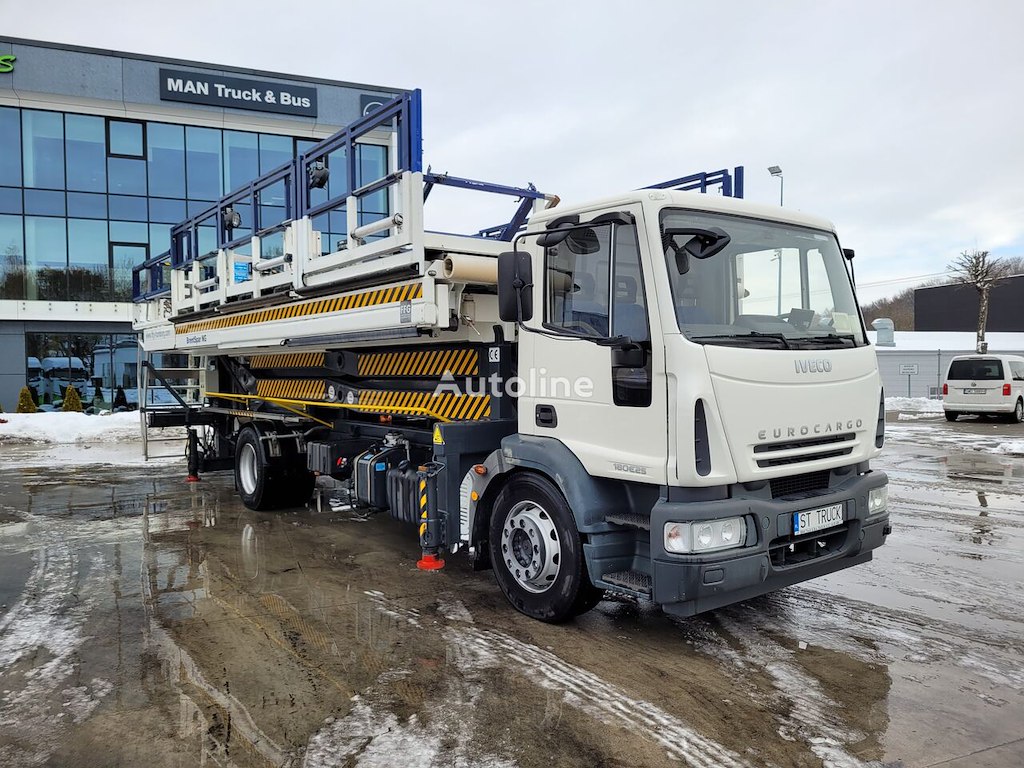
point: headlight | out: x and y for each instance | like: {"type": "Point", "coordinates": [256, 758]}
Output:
{"type": "Point", "coordinates": [705, 536]}
{"type": "Point", "coordinates": [878, 500]}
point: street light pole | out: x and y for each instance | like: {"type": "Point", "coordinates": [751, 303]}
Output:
{"type": "Point", "coordinates": [775, 170]}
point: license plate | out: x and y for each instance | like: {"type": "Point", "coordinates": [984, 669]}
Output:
{"type": "Point", "coordinates": [817, 519]}
{"type": "Point", "coordinates": [974, 391]}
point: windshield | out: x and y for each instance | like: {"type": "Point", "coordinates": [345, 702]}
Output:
{"type": "Point", "coordinates": [747, 282]}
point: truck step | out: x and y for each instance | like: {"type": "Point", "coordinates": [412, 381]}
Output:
{"type": "Point", "coordinates": [630, 519]}
{"type": "Point", "coordinates": [633, 581]}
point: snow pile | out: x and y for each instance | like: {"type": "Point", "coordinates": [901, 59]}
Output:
{"type": "Point", "coordinates": [913, 404]}
{"type": "Point", "coordinates": [60, 427]}
{"type": "Point", "coordinates": [918, 416]}
{"type": "Point", "coordinates": [1011, 448]}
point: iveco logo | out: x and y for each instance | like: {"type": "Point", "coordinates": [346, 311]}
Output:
{"type": "Point", "coordinates": [812, 366]}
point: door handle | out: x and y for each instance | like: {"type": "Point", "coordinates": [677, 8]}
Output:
{"type": "Point", "coordinates": [545, 416]}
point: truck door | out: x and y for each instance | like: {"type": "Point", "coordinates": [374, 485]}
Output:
{"type": "Point", "coordinates": [605, 401]}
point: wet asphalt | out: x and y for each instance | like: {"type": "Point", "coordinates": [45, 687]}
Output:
{"type": "Point", "coordinates": [149, 622]}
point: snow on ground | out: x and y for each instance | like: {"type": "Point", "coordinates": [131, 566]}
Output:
{"type": "Point", "coordinates": [913, 404]}
{"type": "Point", "coordinates": [60, 427]}
{"type": "Point", "coordinates": [1011, 448]}
{"type": "Point", "coordinates": [74, 439]}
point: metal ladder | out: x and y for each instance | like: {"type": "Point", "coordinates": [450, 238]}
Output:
{"type": "Point", "coordinates": [181, 385]}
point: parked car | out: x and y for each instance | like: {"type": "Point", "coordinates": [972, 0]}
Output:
{"type": "Point", "coordinates": [984, 385]}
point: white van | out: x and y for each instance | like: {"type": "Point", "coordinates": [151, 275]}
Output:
{"type": "Point", "coordinates": [984, 384]}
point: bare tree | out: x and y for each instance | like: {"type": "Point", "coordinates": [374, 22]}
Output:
{"type": "Point", "coordinates": [975, 268]}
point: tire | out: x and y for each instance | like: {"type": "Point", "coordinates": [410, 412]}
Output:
{"type": "Point", "coordinates": [253, 473]}
{"type": "Point", "coordinates": [951, 415]}
{"type": "Point", "coordinates": [1018, 413]}
{"type": "Point", "coordinates": [266, 483]}
{"type": "Point", "coordinates": [549, 583]}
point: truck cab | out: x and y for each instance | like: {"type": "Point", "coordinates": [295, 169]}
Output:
{"type": "Point", "coordinates": [703, 363]}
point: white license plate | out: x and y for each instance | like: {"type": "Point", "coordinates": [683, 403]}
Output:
{"type": "Point", "coordinates": [974, 391]}
{"type": "Point", "coordinates": [817, 519]}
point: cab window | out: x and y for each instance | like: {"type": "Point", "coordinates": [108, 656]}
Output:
{"type": "Point", "coordinates": [593, 283]}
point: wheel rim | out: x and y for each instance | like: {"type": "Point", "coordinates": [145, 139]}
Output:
{"type": "Point", "coordinates": [248, 468]}
{"type": "Point", "coordinates": [530, 546]}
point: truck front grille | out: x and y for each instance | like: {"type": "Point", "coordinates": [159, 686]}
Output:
{"type": "Point", "coordinates": [799, 485]}
{"type": "Point", "coordinates": [799, 451]}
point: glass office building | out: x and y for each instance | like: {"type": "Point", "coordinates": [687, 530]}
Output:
{"type": "Point", "coordinates": [100, 153]}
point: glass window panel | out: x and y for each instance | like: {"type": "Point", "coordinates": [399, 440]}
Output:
{"type": "Point", "coordinates": [86, 153]}
{"type": "Point", "coordinates": [337, 182]}
{"type": "Point", "coordinates": [125, 138]}
{"type": "Point", "coordinates": [166, 211]}
{"type": "Point", "coordinates": [44, 202]}
{"type": "Point", "coordinates": [125, 256]}
{"type": "Point", "coordinates": [126, 176]}
{"type": "Point", "coordinates": [303, 145]}
{"type": "Point", "coordinates": [159, 238]}
{"type": "Point", "coordinates": [128, 208]}
{"type": "Point", "coordinates": [10, 140]}
{"type": "Point", "coordinates": [43, 149]}
{"type": "Point", "coordinates": [128, 232]}
{"type": "Point", "coordinates": [371, 163]}
{"type": "Point", "coordinates": [195, 207]}
{"type": "Point", "coordinates": [331, 226]}
{"type": "Point", "coordinates": [207, 240]}
{"type": "Point", "coordinates": [166, 148]}
{"type": "Point", "coordinates": [46, 258]}
{"type": "Point", "coordinates": [274, 151]}
{"type": "Point", "coordinates": [271, 216]}
{"type": "Point", "coordinates": [12, 258]}
{"type": "Point", "coordinates": [89, 259]}
{"type": "Point", "coordinates": [241, 158]}
{"type": "Point", "coordinates": [203, 161]}
{"type": "Point", "coordinates": [87, 206]}
{"type": "Point", "coordinates": [10, 200]}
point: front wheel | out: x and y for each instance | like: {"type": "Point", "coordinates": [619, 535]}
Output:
{"type": "Point", "coordinates": [951, 415]}
{"type": "Point", "coordinates": [536, 551]}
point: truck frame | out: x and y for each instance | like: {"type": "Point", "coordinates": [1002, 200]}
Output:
{"type": "Point", "coordinates": [659, 427]}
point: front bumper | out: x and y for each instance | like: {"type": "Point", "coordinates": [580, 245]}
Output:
{"type": "Point", "coordinates": [773, 558]}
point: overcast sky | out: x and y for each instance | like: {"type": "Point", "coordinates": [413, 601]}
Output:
{"type": "Point", "coordinates": [902, 122]}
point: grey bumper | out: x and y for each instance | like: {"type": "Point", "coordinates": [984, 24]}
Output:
{"type": "Point", "coordinates": [773, 558]}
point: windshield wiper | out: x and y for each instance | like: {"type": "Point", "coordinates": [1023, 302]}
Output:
{"type": "Point", "coordinates": [846, 339]}
{"type": "Point", "coordinates": [743, 338]}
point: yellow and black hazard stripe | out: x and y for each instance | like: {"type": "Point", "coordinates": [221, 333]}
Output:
{"type": "Point", "coordinates": [390, 295]}
{"type": "Point", "coordinates": [291, 360]}
{"type": "Point", "coordinates": [292, 389]}
{"type": "Point", "coordinates": [430, 362]}
{"type": "Point", "coordinates": [446, 406]}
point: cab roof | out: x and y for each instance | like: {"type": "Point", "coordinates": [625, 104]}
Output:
{"type": "Point", "coordinates": [694, 201]}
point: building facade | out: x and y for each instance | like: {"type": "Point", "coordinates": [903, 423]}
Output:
{"type": "Point", "coordinates": [100, 152]}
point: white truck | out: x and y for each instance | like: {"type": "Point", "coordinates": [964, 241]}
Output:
{"type": "Point", "coordinates": [663, 393]}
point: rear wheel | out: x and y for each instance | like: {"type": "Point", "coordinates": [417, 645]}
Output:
{"type": "Point", "coordinates": [536, 551]}
{"type": "Point", "coordinates": [253, 472]}
{"type": "Point", "coordinates": [264, 482]}
{"type": "Point", "coordinates": [1018, 412]}
{"type": "Point", "coordinates": [951, 415]}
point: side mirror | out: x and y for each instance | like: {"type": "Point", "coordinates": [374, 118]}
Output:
{"type": "Point", "coordinates": [515, 287]}
{"type": "Point", "coordinates": [848, 253]}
